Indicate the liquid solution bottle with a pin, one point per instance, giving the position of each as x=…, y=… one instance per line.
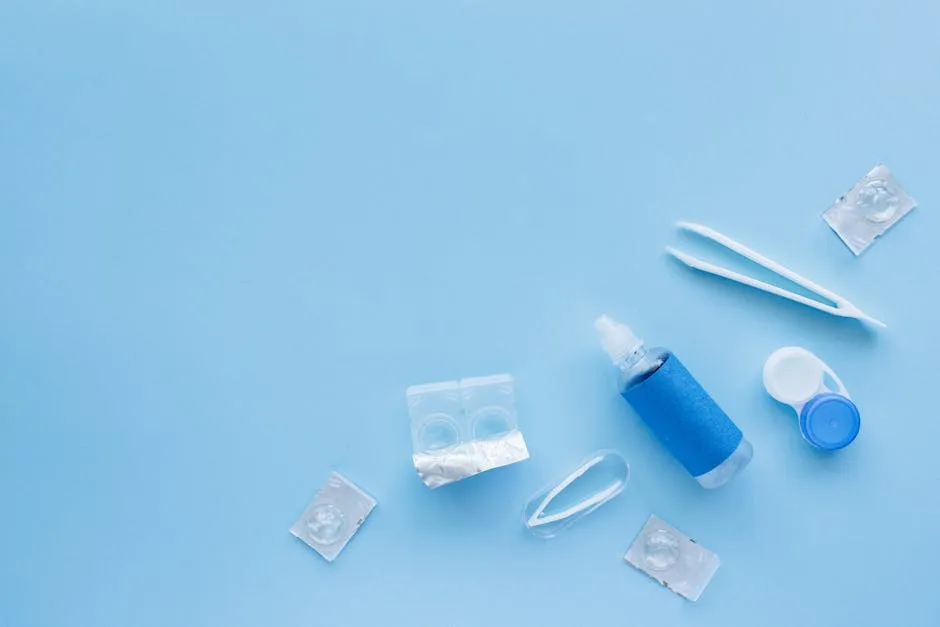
x=675, y=407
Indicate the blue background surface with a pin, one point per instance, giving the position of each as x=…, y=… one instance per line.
x=232, y=233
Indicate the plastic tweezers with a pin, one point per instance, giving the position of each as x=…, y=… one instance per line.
x=842, y=308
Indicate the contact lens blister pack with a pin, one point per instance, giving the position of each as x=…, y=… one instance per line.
x=873, y=205
x=333, y=517
x=672, y=558
x=462, y=428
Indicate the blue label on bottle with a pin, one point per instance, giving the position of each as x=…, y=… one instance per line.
x=684, y=417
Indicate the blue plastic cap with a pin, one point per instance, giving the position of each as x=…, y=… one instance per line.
x=830, y=421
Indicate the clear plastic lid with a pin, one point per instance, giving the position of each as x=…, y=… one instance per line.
x=595, y=481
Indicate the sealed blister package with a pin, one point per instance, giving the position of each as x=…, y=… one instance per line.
x=672, y=558
x=460, y=429
x=333, y=517
x=869, y=209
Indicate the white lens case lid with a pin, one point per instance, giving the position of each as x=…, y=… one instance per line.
x=793, y=376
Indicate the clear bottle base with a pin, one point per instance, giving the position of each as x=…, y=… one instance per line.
x=723, y=472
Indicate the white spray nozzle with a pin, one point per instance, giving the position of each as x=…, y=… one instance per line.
x=616, y=338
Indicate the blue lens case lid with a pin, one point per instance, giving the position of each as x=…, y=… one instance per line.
x=830, y=421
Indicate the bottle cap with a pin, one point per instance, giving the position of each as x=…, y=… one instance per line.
x=617, y=338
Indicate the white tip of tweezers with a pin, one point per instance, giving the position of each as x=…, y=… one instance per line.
x=681, y=256
x=694, y=262
x=685, y=225
x=866, y=318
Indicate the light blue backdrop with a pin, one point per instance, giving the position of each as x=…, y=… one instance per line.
x=232, y=233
